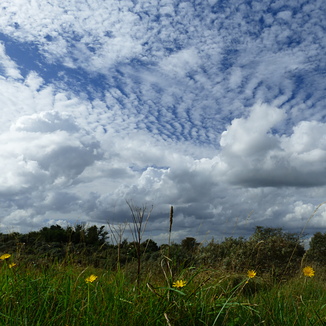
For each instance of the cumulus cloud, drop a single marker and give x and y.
(256, 157)
(251, 136)
(41, 155)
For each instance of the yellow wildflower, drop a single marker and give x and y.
(179, 284)
(12, 265)
(308, 271)
(251, 273)
(91, 278)
(5, 256)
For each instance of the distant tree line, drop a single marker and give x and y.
(268, 250)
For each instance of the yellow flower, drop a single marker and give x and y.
(251, 273)
(308, 271)
(91, 278)
(12, 265)
(179, 284)
(5, 256)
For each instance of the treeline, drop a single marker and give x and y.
(268, 250)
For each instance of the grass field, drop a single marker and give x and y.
(67, 294)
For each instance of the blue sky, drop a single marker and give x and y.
(214, 107)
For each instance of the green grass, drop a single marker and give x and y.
(59, 295)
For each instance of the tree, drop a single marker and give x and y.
(77, 234)
(95, 235)
(189, 244)
(276, 251)
(184, 254)
(317, 249)
(54, 233)
(150, 245)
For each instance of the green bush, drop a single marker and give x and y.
(317, 249)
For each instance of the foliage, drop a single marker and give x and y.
(270, 250)
(71, 295)
(317, 249)
(277, 251)
(235, 282)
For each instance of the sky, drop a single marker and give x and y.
(216, 107)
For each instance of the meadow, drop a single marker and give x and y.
(177, 285)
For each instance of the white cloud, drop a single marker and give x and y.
(41, 155)
(257, 157)
(301, 213)
(82, 34)
(9, 66)
(286, 15)
(172, 118)
(33, 81)
(180, 63)
(251, 136)
(307, 136)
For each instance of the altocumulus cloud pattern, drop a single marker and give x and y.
(214, 107)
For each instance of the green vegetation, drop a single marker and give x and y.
(75, 276)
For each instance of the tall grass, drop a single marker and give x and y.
(60, 295)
